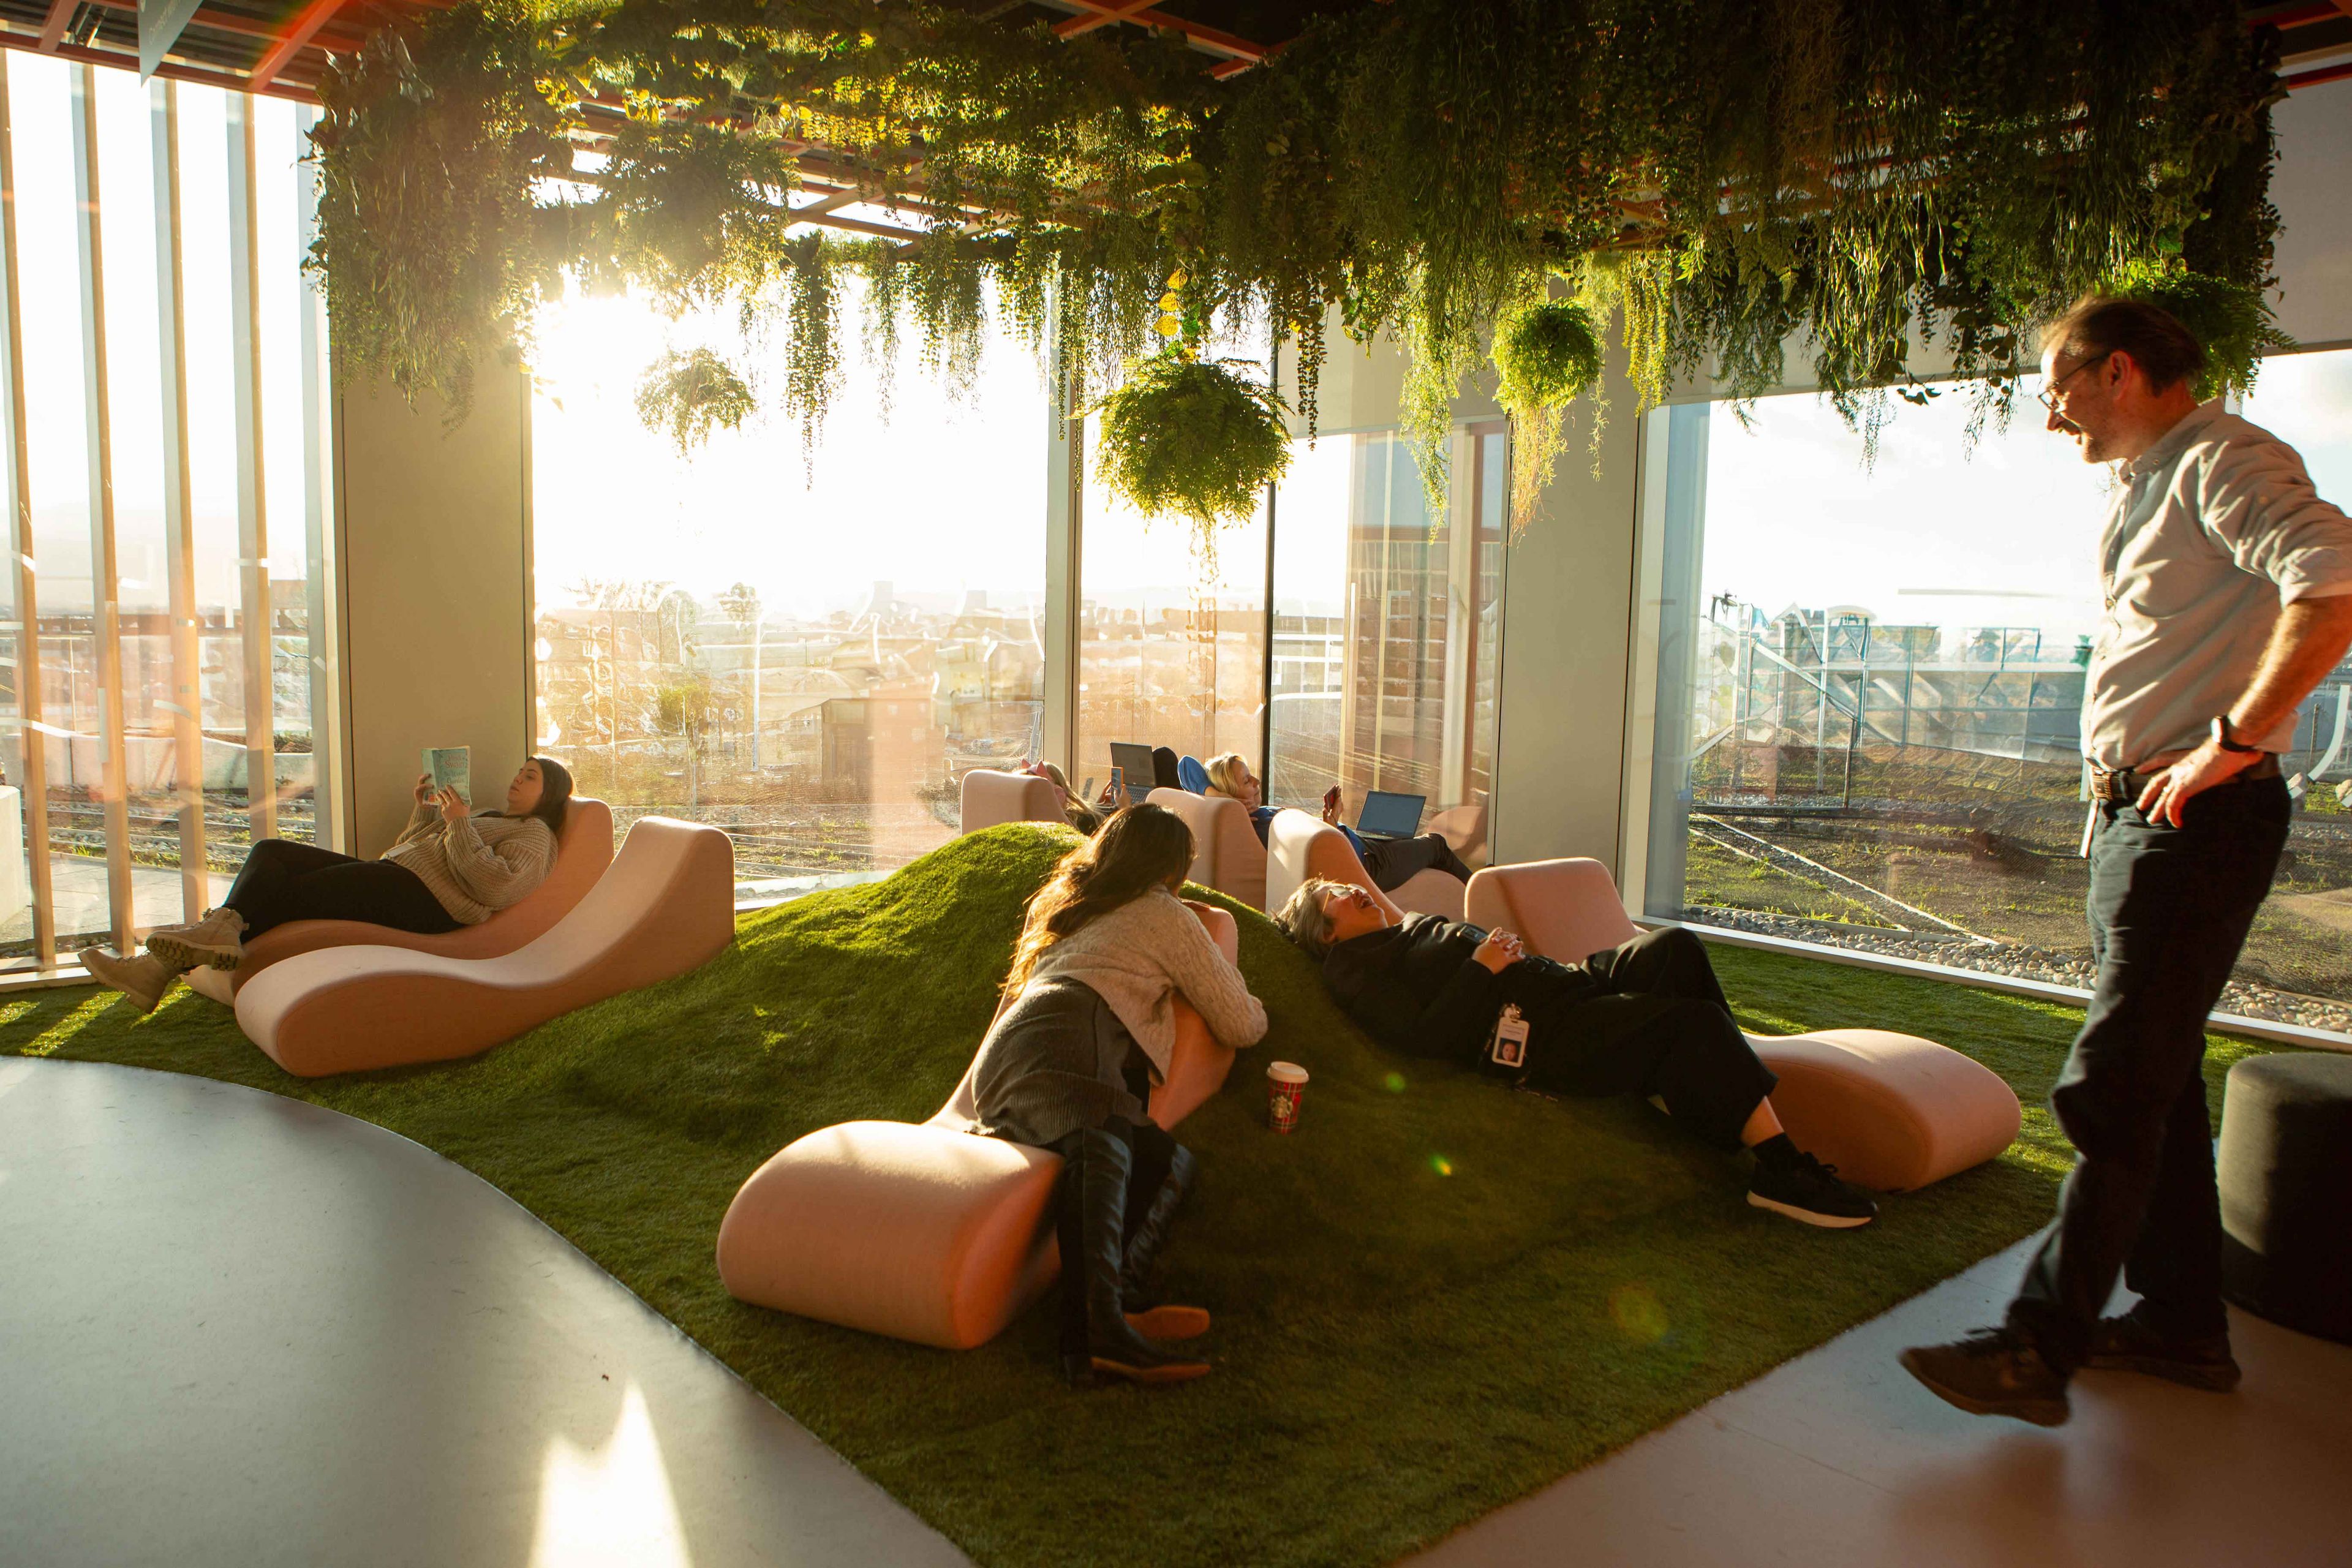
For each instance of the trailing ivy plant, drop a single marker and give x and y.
(1718, 179)
(690, 393)
(1548, 356)
(2233, 323)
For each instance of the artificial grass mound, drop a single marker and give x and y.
(1434, 1297)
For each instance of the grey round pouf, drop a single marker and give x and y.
(2285, 1169)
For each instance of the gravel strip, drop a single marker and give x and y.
(2013, 960)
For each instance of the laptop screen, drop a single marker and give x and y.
(1134, 761)
(1389, 814)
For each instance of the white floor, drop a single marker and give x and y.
(1839, 1459)
(239, 1330)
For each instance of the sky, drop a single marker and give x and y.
(2002, 536)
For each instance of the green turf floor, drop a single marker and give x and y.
(1434, 1297)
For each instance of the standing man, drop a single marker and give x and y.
(2229, 594)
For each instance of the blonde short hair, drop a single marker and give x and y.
(1221, 773)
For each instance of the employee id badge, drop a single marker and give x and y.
(1508, 1049)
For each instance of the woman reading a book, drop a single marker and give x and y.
(450, 867)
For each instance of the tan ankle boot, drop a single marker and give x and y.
(215, 941)
(144, 979)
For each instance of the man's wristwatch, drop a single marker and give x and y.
(2223, 739)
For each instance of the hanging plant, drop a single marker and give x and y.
(690, 395)
(2234, 323)
(1186, 437)
(1549, 356)
(1722, 177)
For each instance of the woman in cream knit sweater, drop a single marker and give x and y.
(1069, 1064)
(449, 868)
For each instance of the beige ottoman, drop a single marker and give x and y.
(1891, 1111)
(926, 1232)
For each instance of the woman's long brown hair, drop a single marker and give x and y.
(1137, 849)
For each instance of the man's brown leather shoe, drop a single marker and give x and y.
(2127, 1344)
(1994, 1371)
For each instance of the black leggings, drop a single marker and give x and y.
(1392, 862)
(1661, 1025)
(282, 881)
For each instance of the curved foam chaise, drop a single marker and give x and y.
(666, 905)
(583, 850)
(926, 1232)
(990, 799)
(1891, 1111)
(1226, 855)
(1298, 847)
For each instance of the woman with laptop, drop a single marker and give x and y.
(1392, 851)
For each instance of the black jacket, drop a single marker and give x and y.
(1416, 988)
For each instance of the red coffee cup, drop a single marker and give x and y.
(1285, 1082)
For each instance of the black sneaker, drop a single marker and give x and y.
(1807, 1190)
(1994, 1371)
(2127, 1345)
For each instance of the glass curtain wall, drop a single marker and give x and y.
(1870, 681)
(808, 651)
(165, 632)
(1387, 627)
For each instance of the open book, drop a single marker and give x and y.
(452, 767)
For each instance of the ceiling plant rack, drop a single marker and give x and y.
(1711, 184)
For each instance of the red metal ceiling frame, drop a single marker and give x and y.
(300, 29)
(53, 30)
(1248, 52)
(1106, 15)
(330, 39)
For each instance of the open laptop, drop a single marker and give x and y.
(1135, 764)
(1388, 815)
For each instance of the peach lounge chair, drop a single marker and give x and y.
(1298, 845)
(990, 799)
(925, 1231)
(1226, 855)
(666, 905)
(1891, 1111)
(583, 850)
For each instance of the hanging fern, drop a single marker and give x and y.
(690, 395)
(1188, 437)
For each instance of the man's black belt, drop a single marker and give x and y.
(2123, 786)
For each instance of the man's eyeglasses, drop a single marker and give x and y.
(2048, 396)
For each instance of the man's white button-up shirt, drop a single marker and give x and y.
(2211, 530)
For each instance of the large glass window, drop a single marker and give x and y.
(807, 651)
(171, 473)
(1387, 627)
(1171, 632)
(1869, 681)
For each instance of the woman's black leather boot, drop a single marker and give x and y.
(1100, 1172)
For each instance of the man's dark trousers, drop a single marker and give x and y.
(2169, 908)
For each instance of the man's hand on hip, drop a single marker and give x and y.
(2164, 799)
